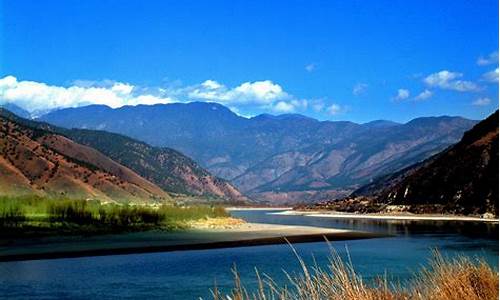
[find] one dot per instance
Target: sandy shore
(409, 217)
(258, 208)
(248, 234)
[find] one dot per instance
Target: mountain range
(39, 158)
(285, 158)
(462, 179)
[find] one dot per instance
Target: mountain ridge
(463, 179)
(268, 154)
(40, 162)
(167, 168)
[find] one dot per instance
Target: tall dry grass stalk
(459, 278)
(452, 279)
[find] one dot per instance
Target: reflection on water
(190, 274)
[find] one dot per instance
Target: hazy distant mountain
(167, 168)
(16, 110)
(380, 124)
(268, 155)
(462, 179)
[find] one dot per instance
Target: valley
(270, 157)
(462, 180)
(169, 173)
(249, 150)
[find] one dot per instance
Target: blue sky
(338, 60)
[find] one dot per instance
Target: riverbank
(408, 217)
(33, 217)
(244, 208)
(244, 234)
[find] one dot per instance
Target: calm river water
(191, 274)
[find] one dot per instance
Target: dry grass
(458, 278)
(216, 223)
(454, 279)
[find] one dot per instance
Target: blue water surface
(191, 274)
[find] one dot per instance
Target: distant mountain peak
(433, 119)
(380, 124)
(17, 110)
(283, 117)
(267, 153)
(463, 179)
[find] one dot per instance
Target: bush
(75, 211)
(55, 213)
(11, 213)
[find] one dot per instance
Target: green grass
(30, 215)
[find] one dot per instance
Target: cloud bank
(254, 96)
(37, 96)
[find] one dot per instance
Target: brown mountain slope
(35, 161)
(168, 169)
(461, 180)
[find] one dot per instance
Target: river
(191, 274)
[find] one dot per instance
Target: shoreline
(248, 234)
(236, 208)
(400, 217)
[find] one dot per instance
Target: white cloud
(284, 107)
(318, 107)
(482, 101)
(426, 94)
(300, 103)
(258, 92)
(149, 100)
(253, 96)
(290, 106)
(334, 109)
(492, 58)
(450, 81)
(310, 67)
(36, 96)
(491, 76)
(211, 84)
(402, 94)
(244, 99)
(122, 88)
(359, 89)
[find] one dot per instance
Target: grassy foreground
(31, 215)
(445, 279)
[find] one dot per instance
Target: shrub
(11, 213)
(62, 212)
